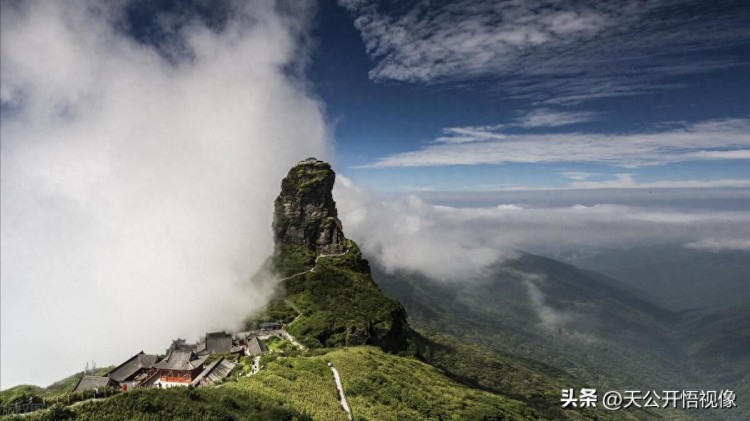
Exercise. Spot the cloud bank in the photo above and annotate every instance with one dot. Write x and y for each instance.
(454, 243)
(137, 179)
(720, 244)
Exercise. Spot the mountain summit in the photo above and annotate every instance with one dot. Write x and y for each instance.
(330, 293)
(305, 212)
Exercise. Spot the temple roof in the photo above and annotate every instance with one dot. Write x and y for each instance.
(216, 371)
(132, 366)
(181, 359)
(87, 382)
(255, 346)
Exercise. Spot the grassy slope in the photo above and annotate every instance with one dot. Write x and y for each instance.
(390, 388)
(526, 380)
(339, 301)
(22, 393)
(387, 387)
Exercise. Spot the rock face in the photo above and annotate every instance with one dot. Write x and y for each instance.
(324, 275)
(305, 212)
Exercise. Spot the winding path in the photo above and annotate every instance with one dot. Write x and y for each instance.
(290, 338)
(283, 332)
(340, 390)
(312, 269)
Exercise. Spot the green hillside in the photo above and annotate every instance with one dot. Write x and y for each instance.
(386, 387)
(379, 386)
(341, 305)
(594, 331)
(22, 393)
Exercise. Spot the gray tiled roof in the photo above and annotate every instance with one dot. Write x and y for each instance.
(181, 359)
(132, 366)
(218, 370)
(218, 343)
(243, 335)
(255, 346)
(181, 344)
(87, 382)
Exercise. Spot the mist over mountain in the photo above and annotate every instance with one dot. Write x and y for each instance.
(129, 173)
(676, 276)
(599, 329)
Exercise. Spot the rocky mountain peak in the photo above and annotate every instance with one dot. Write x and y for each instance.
(305, 212)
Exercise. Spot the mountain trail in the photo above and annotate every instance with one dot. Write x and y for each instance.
(340, 390)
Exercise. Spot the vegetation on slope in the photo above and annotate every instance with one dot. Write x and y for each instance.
(536, 384)
(379, 386)
(24, 393)
(593, 338)
(382, 386)
(341, 305)
(175, 403)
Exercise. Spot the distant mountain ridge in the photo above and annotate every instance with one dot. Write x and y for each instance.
(594, 327)
(676, 277)
(549, 311)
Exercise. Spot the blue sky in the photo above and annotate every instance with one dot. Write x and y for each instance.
(470, 96)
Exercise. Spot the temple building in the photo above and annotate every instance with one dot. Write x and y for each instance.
(180, 367)
(218, 370)
(184, 364)
(134, 371)
(87, 382)
(218, 343)
(275, 325)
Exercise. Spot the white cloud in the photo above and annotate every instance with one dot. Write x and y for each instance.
(714, 244)
(627, 181)
(137, 190)
(545, 117)
(578, 175)
(466, 134)
(509, 207)
(711, 140)
(408, 234)
(542, 117)
(552, 51)
(454, 243)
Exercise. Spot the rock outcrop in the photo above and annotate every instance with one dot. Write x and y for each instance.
(305, 212)
(324, 275)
